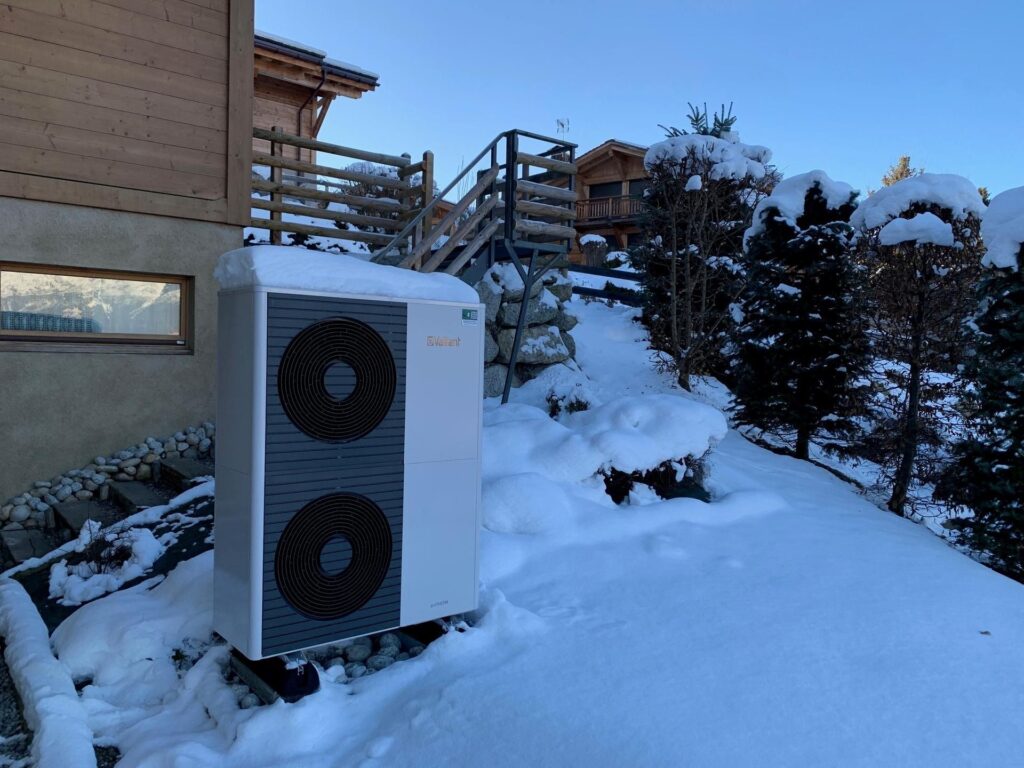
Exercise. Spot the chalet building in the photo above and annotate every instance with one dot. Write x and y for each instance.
(610, 183)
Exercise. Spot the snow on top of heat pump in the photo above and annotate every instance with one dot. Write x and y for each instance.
(290, 268)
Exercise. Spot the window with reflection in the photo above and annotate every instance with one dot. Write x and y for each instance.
(42, 303)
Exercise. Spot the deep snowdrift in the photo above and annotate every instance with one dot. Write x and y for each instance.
(787, 623)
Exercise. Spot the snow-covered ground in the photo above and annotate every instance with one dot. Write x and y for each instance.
(789, 622)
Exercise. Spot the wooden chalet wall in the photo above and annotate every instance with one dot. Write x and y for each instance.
(277, 105)
(614, 166)
(131, 105)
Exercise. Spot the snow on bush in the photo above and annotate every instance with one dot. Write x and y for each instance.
(790, 195)
(922, 228)
(133, 635)
(122, 558)
(727, 159)
(946, 190)
(591, 238)
(1002, 229)
(628, 434)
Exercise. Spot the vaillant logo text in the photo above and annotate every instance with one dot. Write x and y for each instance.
(443, 341)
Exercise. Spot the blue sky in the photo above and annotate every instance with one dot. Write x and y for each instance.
(842, 86)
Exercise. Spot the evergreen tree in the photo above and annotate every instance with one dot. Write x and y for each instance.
(703, 189)
(802, 348)
(919, 242)
(987, 472)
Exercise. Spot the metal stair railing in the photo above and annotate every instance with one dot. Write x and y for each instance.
(498, 226)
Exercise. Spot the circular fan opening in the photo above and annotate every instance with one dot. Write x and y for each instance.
(336, 380)
(310, 564)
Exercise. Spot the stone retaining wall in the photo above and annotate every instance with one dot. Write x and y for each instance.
(546, 339)
(33, 508)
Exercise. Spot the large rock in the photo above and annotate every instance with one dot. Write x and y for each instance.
(565, 321)
(561, 287)
(507, 277)
(490, 347)
(540, 345)
(570, 343)
(490, 296)
(539, 310)
(494, 379)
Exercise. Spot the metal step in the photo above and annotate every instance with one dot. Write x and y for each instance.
(180, 474)
(133, 495)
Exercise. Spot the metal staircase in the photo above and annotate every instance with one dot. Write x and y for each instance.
(519, 209)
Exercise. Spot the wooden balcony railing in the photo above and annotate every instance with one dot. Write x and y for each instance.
(325, 200)
(608, 208)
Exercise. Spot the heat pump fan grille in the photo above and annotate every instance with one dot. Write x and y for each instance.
(298, 568)
(301, 380)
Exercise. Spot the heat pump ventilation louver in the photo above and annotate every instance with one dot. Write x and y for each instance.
(312, 585)
(303, 380)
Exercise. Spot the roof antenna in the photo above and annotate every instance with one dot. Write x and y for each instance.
(562, 126)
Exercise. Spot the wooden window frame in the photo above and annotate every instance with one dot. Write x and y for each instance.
(138, 343)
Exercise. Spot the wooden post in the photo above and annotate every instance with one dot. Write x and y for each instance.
(277, 177)
(426, 225)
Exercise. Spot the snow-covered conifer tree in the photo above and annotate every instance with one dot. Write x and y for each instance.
(987, 474)
(801, 348)
(921, 247)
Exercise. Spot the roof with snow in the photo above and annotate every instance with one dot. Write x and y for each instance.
(609, 146)
(313, 55)
(1002, 229)
(946, 190)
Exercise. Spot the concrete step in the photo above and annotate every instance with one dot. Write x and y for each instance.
(132, 495)
(25, 544)
(72, 515)
(180, 474)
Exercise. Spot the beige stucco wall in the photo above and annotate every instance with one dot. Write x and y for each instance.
(60, 409)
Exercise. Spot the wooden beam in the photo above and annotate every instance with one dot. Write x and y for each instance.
(540, 228)
(334, 234)
(545, 211)
(331, 149)
(356, 201)
(442, 253)
(470, 250)
(325, 104)
(315, 212)
(259, 158)
(240, 103)
(482, 184)
(559, 166)
(535, 189)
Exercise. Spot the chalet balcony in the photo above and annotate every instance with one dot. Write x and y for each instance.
(608, 209)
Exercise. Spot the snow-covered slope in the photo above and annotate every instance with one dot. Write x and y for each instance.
(789, 622)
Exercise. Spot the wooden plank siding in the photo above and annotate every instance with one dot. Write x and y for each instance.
(135, 105)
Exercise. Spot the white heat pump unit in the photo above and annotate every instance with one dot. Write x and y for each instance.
(348, 465)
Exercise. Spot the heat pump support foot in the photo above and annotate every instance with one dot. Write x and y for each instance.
(279, 677)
